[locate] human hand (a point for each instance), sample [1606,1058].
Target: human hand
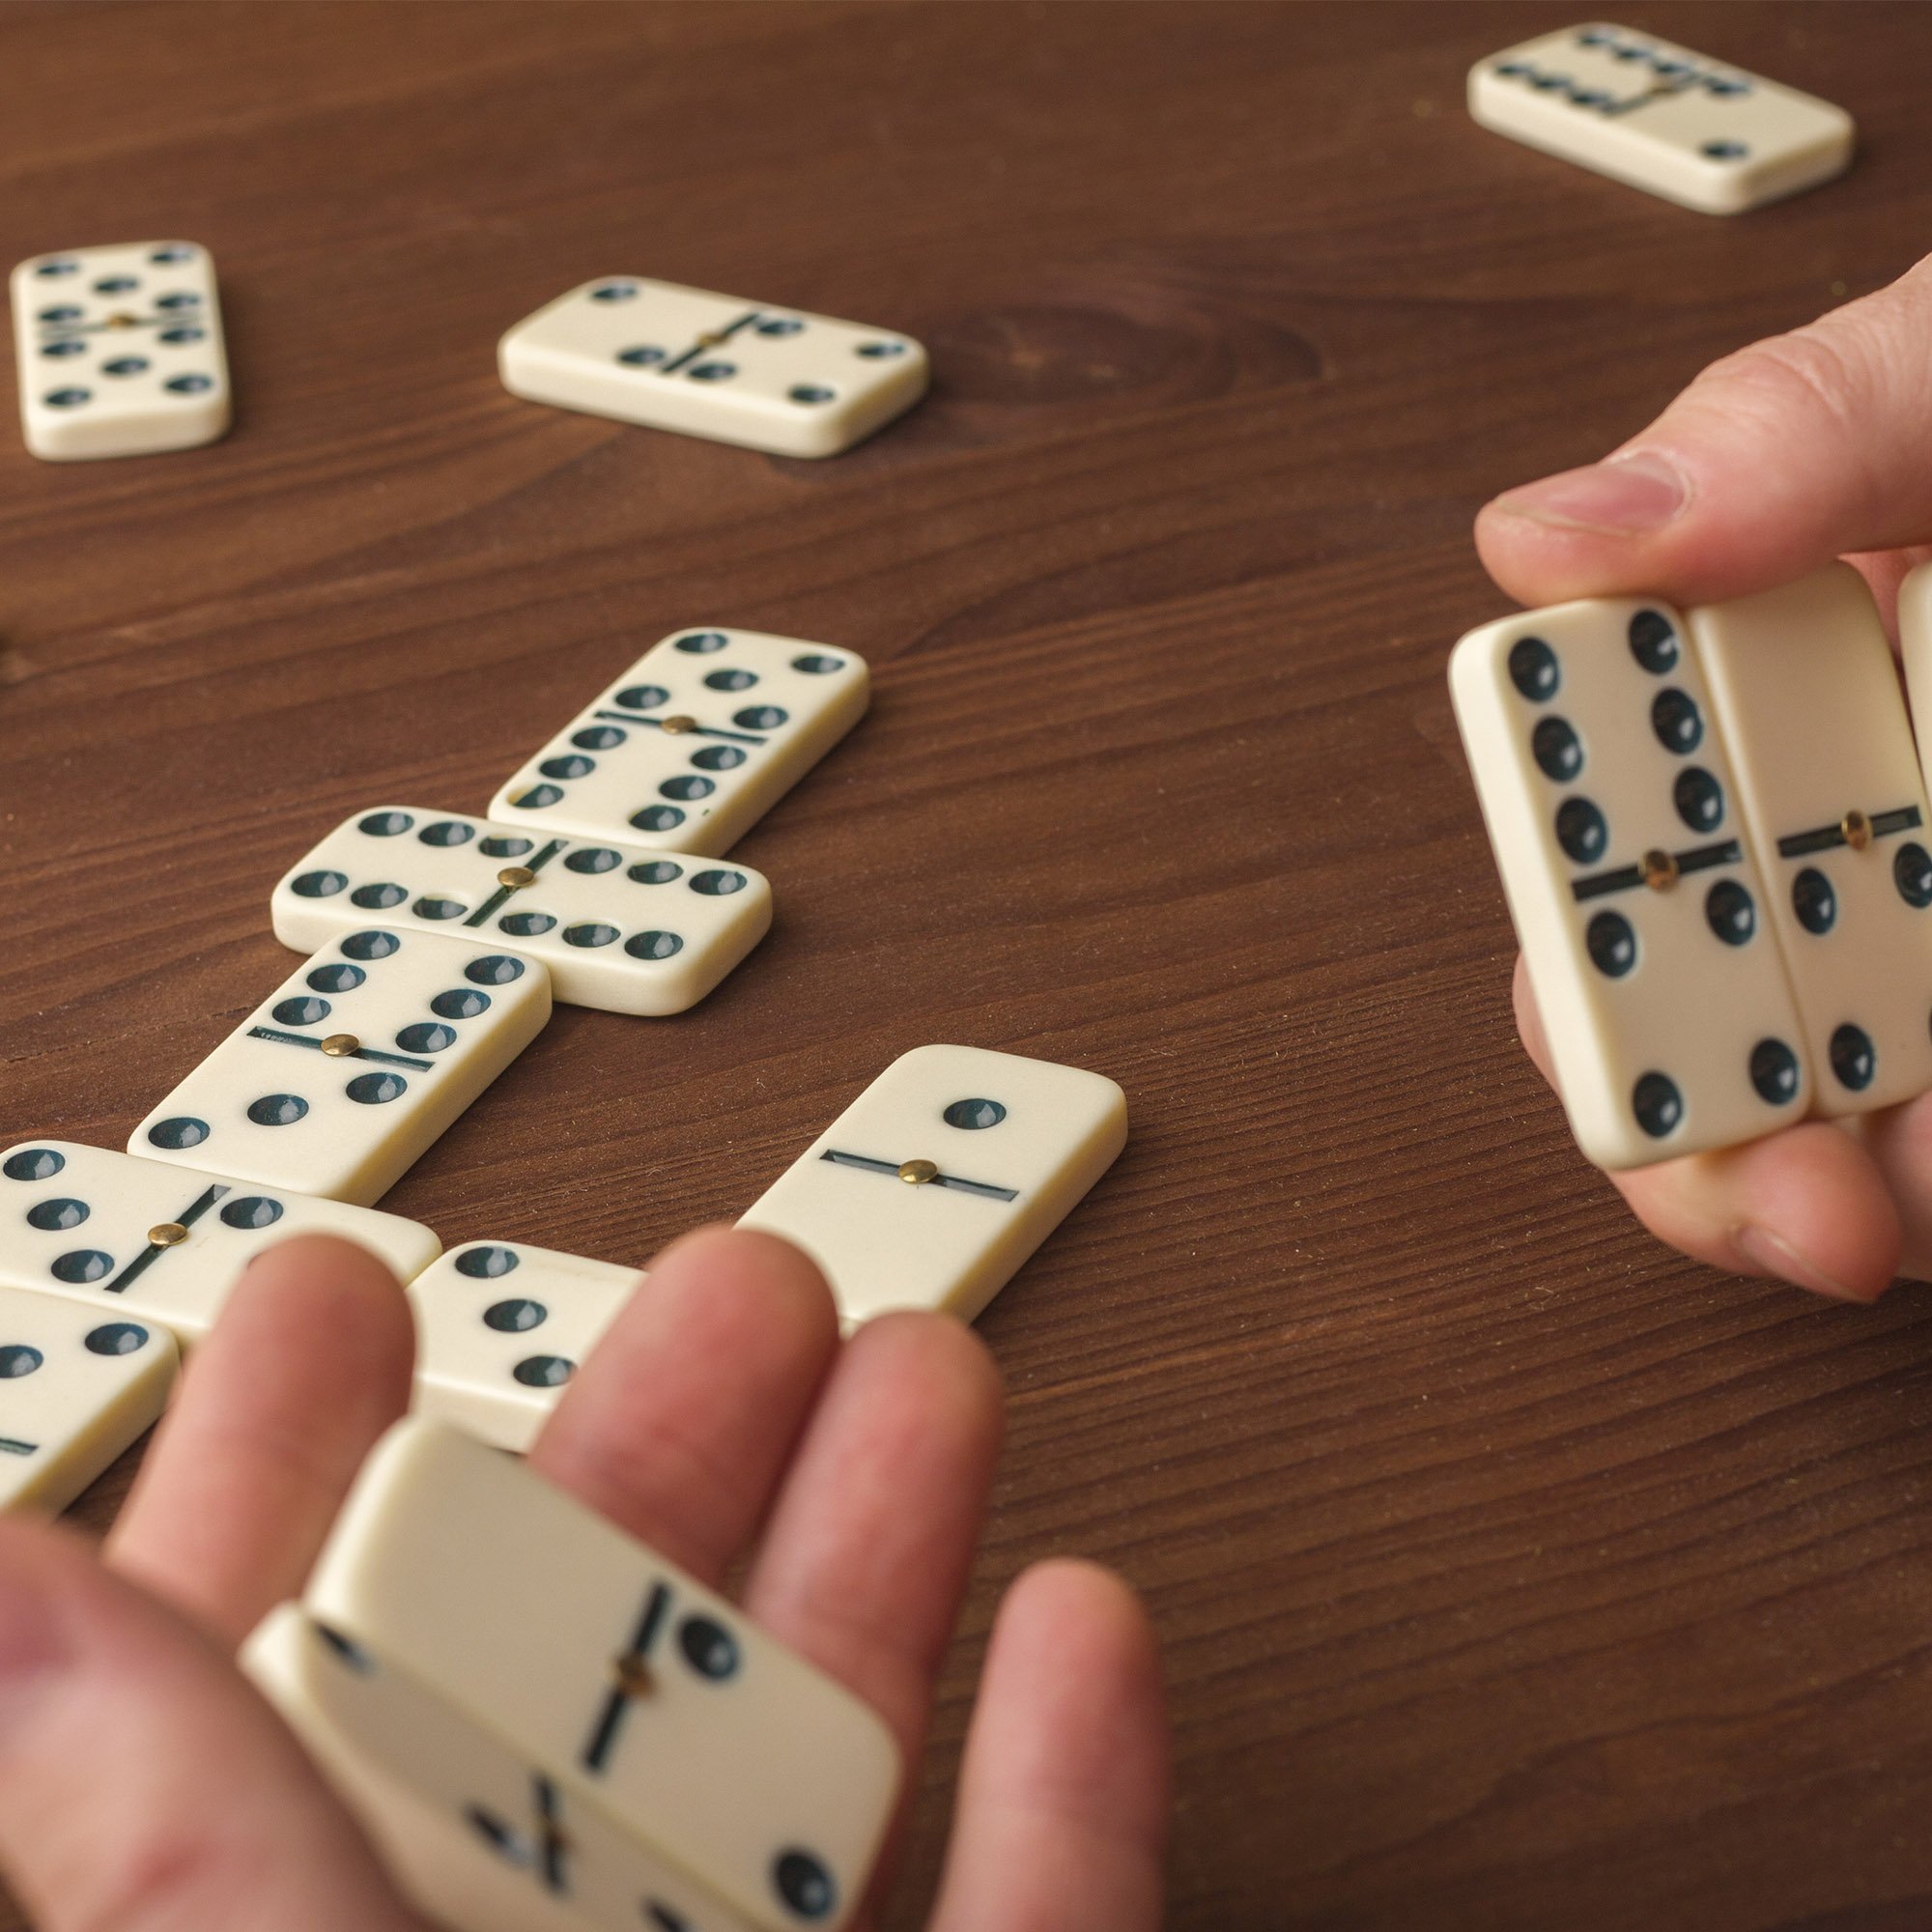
[1776,459]
[144,1786]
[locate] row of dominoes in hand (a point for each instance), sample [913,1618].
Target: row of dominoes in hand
[120,353]
[1714,832]
[930,1191]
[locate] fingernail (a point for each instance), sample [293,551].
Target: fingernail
[1626,496]
[1772,1253]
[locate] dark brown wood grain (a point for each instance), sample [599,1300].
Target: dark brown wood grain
[1511,1571]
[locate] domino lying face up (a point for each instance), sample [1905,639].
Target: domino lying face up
[349,1070]
[620,928]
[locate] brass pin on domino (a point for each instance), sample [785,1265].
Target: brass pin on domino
[1660,870]
[340,1045]
[516,877]
[633,1676]
[916,1172]
[167,1234]
[1857,829]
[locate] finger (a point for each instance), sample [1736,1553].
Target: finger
[307,1366]
[142,1784]
[677,1426]
[1806,1205]
[871,1540]
[1063,1793]
[1899,1140]
[1772,462]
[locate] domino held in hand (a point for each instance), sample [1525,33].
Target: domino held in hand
[479,1838]
[1807,700]
[933,1186]
[629,1687]
[711,365]
[1637,899]
[1658,116]
[119,350]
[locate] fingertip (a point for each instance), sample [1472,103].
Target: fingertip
[1808,1205]
[938,1362]
[325,1285]
[309,1362]
[749,1263]
[1529,1021]
[1080,1642]
[1073,1601]
[679,1420]
[1819,1207]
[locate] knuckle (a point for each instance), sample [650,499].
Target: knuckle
[1812,372]
[159,1884]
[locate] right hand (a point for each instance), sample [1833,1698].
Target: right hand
[1776,460]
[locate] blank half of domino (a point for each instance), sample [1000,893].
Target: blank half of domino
[1658,116]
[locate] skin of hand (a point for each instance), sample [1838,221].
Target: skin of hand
[1794,451]
[144,1785]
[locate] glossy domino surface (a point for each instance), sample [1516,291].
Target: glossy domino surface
[352,1067]
[712,365]
[1661,117]
[150,1241]
[692,744]
[625,928]
[119,350]
[933,1186]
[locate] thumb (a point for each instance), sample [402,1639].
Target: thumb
[142,1783]
[1798,449]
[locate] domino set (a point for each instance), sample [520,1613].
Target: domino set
[1713,833]
[540,1722]
[434,945]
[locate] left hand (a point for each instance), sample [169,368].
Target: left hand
[144,1785]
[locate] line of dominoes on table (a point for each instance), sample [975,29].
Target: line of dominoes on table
[1713,833]
[435,944]
[540,1722]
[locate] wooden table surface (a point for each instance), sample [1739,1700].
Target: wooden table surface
[1511,1571]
